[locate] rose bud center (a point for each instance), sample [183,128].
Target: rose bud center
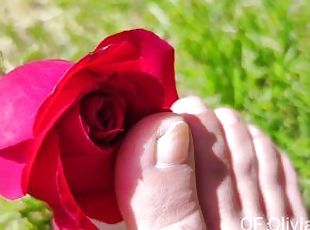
[104,115]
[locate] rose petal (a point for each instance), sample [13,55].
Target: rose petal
[72,130]
[81,221]
[107,137]
[88,169]
[101,206]
[90,108]
[12,161]
[156,58]
[153,56]
[139,66]
[51,186]
[22,91]
[104,113]
[142,93]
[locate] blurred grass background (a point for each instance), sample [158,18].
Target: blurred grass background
[252,55]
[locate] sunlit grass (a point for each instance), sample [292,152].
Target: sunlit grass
[250,55]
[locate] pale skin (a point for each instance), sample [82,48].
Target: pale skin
[199,168]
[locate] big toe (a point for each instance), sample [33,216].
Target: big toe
[155,181]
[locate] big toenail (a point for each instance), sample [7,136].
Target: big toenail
[173,146]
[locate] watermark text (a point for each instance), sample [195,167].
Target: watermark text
[274,223]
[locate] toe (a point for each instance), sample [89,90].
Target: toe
[155,180]
[292,190]
[216,191]
[243,161]
[271,178]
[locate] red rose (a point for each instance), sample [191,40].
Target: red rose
[61,123]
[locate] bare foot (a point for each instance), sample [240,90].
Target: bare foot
[242,180]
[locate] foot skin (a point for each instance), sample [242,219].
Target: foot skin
[155,177]
[240,174]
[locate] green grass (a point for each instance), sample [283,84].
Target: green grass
[24,214]
[250,55]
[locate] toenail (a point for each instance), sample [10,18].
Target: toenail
[190,105]
[227,116]
[174,145]
[255,132]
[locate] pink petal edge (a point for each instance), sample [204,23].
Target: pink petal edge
[22,91]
